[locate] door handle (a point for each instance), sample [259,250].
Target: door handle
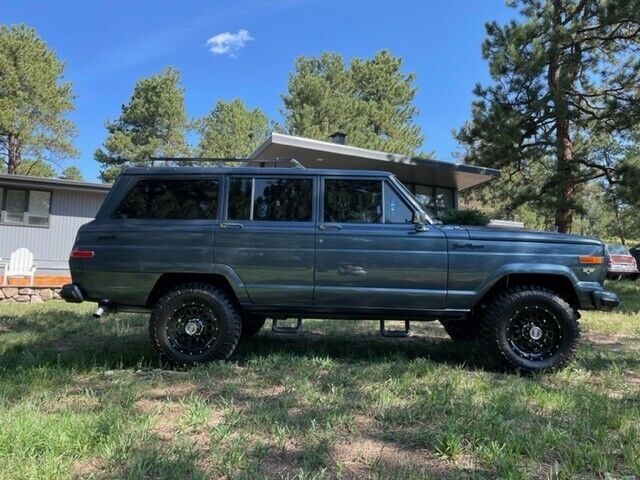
[326,226]
[470,246]
[231,225]
[106,237]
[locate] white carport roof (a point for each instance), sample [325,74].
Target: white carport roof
[318,154]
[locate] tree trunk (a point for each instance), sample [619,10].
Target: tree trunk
[13,150]
[564,147]
[566,187]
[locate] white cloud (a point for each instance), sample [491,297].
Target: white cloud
[228,43]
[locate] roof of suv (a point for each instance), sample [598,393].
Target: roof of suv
[251,171]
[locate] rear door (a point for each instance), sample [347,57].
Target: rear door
[369,253]
[268,236]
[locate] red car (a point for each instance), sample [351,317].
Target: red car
[621,262]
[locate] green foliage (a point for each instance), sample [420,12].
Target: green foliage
[465,217]
[371,101]
[231,130]
[565,76]
[72,173]
[33,100]
[35,168]
[153,123]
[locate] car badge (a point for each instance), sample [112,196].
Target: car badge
[588,270]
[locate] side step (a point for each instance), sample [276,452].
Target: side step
[396,333]
[286,330]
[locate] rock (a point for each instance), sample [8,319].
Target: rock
[22,298]
[8,300]
[46,294]
[26,291]
[56,294]
[36,299]
[1,294]
[10,292]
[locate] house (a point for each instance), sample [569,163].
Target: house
[44,214]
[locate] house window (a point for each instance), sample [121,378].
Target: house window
[435,200]
[25,207]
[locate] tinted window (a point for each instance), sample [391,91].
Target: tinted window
[353,201]
[395,210]
[274,199]
[285,199]
[171,200]
[239,205]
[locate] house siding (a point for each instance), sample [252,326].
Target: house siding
[51,245]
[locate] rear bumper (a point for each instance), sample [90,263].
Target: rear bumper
[72,293]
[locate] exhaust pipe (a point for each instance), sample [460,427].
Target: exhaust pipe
[100,311]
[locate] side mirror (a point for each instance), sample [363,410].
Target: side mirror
[418,220]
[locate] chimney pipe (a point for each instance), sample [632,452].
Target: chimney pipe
[339,138]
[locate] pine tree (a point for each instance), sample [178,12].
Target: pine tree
[569,70]
[231,130]
[152,124]
[34,100]
[371,101]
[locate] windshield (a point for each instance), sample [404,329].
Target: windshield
[415,203]
[618,250]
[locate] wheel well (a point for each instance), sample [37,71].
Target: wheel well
[169,280]
[558,284]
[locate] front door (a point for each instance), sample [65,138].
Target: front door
[369,253]
[268,237]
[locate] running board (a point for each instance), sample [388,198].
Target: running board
[286,330]
[396,333]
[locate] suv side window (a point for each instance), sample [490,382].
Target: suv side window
[270,199]
[171,199]
[395,209]
[352,201]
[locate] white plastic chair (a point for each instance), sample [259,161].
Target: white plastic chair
[20,264]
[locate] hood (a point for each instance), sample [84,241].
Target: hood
[520,235]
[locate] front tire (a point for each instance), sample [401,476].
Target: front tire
[195,323]
[530,329]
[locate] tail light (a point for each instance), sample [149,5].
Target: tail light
[78,253]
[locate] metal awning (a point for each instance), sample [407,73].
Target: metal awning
[318,154]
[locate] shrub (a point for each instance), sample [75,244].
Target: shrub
[465,217]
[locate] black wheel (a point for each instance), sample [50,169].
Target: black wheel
[530,329]
[195,323]
[251,325]
[467,330]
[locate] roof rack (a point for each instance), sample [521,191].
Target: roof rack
[218,162]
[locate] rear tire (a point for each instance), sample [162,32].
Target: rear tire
[251,325]
[530,329]
[467,330]
[195,323]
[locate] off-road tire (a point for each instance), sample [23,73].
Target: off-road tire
[251,325]
[467,330]
[227,316]
[514,304]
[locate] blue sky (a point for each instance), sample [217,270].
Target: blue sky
[107,46]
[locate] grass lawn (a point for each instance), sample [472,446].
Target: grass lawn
[85,398]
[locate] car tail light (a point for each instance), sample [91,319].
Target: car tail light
[77,253]
[588,260]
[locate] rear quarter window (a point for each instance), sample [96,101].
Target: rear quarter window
[171,199]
